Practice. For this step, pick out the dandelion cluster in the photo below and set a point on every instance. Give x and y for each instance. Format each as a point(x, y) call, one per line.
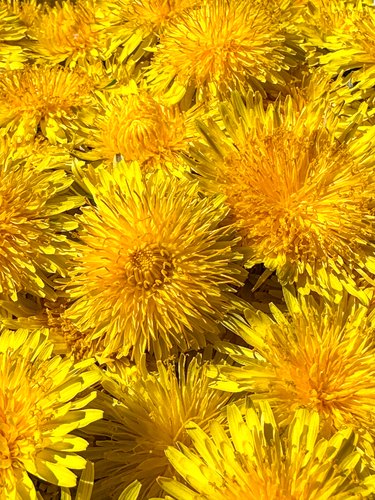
point(187, 249)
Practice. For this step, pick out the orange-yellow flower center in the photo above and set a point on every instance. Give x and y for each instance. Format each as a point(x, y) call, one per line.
point(149, 267)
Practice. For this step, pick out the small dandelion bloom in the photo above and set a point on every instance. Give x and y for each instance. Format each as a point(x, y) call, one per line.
point(157, 265)
point(37, 415)
point(138, 128)
point(47, 97)
point(300, 189)
point(219, 47)
point(144, 419)
point(256, 462)
point(69, 31)
point(319, 356)
point(34, 225)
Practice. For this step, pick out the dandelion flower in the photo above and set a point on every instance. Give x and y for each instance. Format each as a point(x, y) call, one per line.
point(219, 47)
point(45, 97)
point(138, 128)
point(256, 462)
point(157, 263)
point(318, 357)
point(70, 31)
point(144, 419)
point(37, 415)
point(34, 225)
point(300, 190)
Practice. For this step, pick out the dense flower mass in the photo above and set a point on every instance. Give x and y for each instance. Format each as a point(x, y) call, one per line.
point(187, 249)
point(158, 256)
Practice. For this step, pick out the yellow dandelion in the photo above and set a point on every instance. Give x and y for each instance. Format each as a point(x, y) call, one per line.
point(37, 415)
point(300, 190)
point(34, 225)
point(318, 357)
point(222, 46)
point(157, 263)
point(144, 419)
point(256, 462)
point(70, 31)
point(138, 128)
point(50, 98)
point(12, 33)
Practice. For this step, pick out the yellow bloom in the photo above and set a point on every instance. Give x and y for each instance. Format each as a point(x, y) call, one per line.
point(37, 415)
point(138, 128)
point(222, 46)
point(50, 98)
point(320, 357)
point(157, 265)
point(12, 33)
point(34, 225)
point(301, 195)
point(144, 419)
point(257, 463)
point(70, 31)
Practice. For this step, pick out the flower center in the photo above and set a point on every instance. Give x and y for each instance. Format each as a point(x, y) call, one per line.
point(148, 267)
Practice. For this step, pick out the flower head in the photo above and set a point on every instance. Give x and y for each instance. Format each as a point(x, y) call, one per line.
point(300, 189)
point(319, 357)
point(37, 414)
point(49, 97)
point(70, 31)
point(221, 46)
point(138, 128)
point(144, 419)
point(157, 263)
point(33, 224)
point(257, 463)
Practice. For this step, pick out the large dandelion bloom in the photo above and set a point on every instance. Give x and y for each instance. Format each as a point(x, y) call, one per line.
point(257, 463)
point(37, 415)
point(157, 265)
point(49, 98)
point(222, 46)
point(138, 128)
point(301, 195)
point(33, 224)
point(144, 419)
point(320, 358)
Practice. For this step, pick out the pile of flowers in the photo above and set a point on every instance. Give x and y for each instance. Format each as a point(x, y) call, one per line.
point(187, 249)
